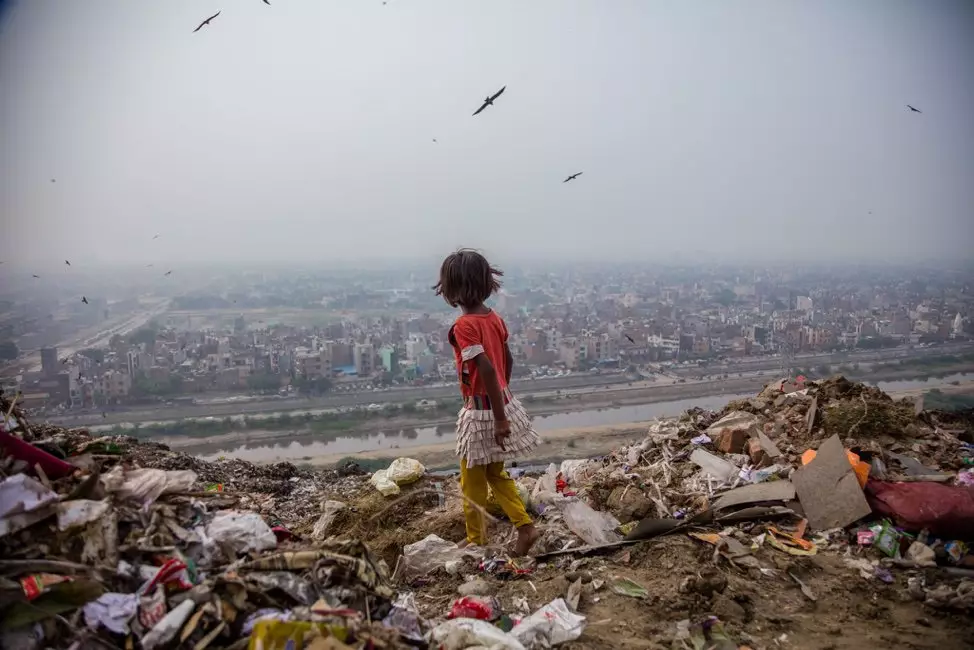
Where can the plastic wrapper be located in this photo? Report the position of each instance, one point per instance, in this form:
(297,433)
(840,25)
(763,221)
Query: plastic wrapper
(112,611)
(549,626)
(594,527)
(403,471)
(385,485)
(80,512)
(431,553)
(460,633)
(479,607)
(145,485)
(166,629)
(329,511)
(243,531)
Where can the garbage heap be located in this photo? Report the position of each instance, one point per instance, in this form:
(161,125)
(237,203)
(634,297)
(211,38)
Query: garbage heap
(108,543)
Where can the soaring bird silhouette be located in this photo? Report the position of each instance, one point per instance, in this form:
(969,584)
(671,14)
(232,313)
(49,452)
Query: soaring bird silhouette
(84,300)
(267,3)
(573,177)
(206,22)
(149,266)
(67,262)
(915,110)
(54,180)
(434,139)
(156,237)
(168,272)
(489,101)
(630,338)
(34,275)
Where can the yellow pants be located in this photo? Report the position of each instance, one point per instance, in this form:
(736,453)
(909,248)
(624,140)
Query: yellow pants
(474,482)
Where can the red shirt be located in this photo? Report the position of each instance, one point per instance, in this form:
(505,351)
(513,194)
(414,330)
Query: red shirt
(474,334)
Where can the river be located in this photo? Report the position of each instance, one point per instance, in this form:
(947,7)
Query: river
(306,446)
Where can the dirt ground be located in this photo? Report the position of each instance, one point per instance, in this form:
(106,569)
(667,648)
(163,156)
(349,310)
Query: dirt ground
(760,609)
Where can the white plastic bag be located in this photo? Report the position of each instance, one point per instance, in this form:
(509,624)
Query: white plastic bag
(242,531)
(330,510)
(80,512)
(113,611)
(403,471)
(552,624)
(431,553)
(145,485)
(594,527)
(578,472)
(460,633)
(386,486)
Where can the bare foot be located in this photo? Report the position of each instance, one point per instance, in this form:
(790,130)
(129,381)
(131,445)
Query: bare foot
(527,535)
(464,544)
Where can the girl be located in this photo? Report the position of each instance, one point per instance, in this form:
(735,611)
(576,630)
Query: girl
(492,425)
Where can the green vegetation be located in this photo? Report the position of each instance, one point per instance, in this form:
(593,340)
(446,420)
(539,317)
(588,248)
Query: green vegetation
(320,423)
(937,400)
(264,383)
(169,386)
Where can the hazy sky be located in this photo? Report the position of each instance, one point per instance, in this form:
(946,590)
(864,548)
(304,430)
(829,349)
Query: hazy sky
(303,130)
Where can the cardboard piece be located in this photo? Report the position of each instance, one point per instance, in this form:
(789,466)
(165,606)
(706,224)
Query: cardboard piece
(757,493)
(767,444)
(829,489)
(810,416)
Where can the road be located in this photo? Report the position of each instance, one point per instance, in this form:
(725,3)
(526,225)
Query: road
(100,335)
(581,383)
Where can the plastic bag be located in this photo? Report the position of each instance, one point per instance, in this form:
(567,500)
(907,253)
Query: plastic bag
(594,527)
(330,510)
(483,608)
(460,633)
(386,486)
(403,471)
(431,553)
(579,472)
(145,485)
(552,624)
(945,510)
(80,512)
(242,531)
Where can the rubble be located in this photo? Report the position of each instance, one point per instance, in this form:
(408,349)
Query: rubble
(137,546)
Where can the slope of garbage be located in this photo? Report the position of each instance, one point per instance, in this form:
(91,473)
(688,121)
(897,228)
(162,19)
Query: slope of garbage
(819,515)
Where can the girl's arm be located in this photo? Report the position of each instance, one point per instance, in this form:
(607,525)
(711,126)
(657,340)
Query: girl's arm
(509,363)
(488,375)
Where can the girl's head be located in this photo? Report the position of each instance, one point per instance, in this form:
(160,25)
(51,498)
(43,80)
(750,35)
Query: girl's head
(467,279)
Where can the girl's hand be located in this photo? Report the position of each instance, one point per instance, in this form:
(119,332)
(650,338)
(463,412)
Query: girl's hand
(502,429)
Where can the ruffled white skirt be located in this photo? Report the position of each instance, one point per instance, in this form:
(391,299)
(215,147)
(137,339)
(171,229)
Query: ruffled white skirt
(475,434)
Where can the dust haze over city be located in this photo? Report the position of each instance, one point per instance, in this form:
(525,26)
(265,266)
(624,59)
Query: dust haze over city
(223,222)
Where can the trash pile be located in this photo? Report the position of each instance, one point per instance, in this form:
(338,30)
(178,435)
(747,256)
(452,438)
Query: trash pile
(109,543)
(802,496)
(809,469)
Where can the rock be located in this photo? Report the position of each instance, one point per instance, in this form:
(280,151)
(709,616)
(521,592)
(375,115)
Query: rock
(475,587)
(628,503)
(732,441)
(757,453)
(728,610)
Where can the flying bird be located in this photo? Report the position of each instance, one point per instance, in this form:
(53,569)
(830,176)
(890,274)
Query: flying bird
(67,262)
(168,272)
(915,110)
(104,415)
(434,139)
(630,338)
(149,266)
(489,101)
(53,180)
(156,237)
(34,275)
(206,22)
(267,3)
(84,300)
(573,177)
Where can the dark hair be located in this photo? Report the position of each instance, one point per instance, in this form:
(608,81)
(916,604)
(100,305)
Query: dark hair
(467,279)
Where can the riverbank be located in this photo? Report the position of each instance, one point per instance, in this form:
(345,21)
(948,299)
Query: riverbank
(566,435)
